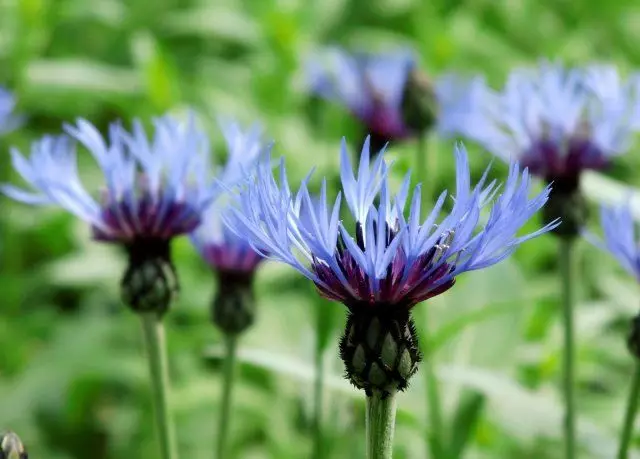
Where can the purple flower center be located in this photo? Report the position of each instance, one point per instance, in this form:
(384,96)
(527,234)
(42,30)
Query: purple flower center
(405,284)
(387,122)
(232,256)
(556,160)
(146,216)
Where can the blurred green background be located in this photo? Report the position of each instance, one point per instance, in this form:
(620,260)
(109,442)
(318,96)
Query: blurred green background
(73,381)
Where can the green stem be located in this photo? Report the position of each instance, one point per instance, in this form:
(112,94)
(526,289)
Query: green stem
(425,165)
(155,342)
(318,393)
(231,342)
(630,415)
(567,273)
(381,419)
(435,434)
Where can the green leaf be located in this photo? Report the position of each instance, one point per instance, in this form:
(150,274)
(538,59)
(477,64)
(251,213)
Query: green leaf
(464,422)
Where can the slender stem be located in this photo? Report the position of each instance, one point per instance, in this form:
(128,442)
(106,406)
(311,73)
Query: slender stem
(435,434)
(231,342)
(567,273)
(318,451)
(381,419)
(155,342)
(630,415)
(425,165)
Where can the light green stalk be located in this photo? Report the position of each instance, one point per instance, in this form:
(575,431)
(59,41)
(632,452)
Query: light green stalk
(567,273)
(381,419)
(155,342)
(630,414)
(229,371)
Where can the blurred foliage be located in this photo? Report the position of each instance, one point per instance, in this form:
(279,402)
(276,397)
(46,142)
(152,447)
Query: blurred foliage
(73,381)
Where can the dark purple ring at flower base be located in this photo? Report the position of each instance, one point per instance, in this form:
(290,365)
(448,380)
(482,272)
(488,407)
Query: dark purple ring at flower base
(147,218)
(399,289)
(555,163)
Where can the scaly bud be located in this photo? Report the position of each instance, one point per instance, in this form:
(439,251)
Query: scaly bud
(234,307)
(379,349)
(419,103)
(11,447)
(150,282)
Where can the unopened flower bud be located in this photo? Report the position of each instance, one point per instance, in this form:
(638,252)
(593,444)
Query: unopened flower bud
(11,447)
(380,350)
(150,282)
(234,306)
(419,103)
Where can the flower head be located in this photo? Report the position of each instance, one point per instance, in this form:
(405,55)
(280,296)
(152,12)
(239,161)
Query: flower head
(388,93)
(371,86)
(155,188)
(386,261)
(8,120)
(557,121)
(621,237)
(220,247)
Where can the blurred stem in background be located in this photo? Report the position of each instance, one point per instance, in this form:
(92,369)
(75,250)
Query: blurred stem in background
(426,173)
(630,415)
(155,342)
(381,419)
(318,401)
(229,370)
(233,311)
(326,315)
(566,257)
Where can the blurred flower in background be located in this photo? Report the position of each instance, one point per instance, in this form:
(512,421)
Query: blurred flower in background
(558,122)
(231,256)
(8,119)
(389,263)
(387,93)
(621,237)
(156,189)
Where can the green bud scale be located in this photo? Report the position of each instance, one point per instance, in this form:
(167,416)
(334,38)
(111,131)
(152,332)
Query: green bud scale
(150,282)
(234,306)
(379,350)
(11,447)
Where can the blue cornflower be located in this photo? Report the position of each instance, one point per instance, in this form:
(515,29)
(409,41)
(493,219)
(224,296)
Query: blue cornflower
(371,86)
(621,237)
(156,188)
(231,256)
(221,248)
(8,120)
(557,121)
(385,92)
(389,261)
